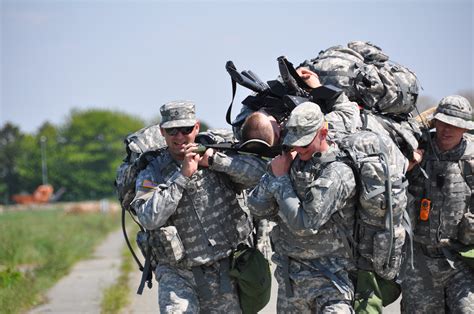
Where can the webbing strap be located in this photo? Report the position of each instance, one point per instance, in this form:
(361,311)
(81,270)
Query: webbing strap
(346,237)
(406,223)
(224,267)
(335,280)
(146,273)
(286,276)
(466,166)
(229,110)
(202,285)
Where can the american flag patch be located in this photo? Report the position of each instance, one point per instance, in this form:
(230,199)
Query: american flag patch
(149,184)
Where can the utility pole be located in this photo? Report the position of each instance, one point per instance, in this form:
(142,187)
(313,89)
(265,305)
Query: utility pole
(44,167)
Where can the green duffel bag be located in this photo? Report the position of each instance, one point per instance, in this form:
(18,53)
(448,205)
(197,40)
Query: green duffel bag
(373,293)
(467,255)
(254,279)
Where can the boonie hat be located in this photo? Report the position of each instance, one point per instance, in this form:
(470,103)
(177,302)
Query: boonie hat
(177,114)
(455,110)
(305,120)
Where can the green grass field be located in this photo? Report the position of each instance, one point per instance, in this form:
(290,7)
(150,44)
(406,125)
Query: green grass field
(37,248)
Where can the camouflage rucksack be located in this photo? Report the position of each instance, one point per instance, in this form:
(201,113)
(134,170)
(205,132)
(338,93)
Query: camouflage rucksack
(379,169)
(363,71)
(141,148)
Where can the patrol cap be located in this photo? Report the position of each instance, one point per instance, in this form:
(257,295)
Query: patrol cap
(178,113)
(305,120)
(455,110)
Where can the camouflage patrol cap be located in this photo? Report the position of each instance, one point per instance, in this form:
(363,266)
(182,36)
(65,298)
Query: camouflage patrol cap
(455,110)
(177,114)
(305,120)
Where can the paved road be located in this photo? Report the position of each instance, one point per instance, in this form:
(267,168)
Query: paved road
(81,290)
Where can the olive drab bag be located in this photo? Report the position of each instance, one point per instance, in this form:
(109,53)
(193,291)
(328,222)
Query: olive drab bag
(367,76)
(252,272)
(379,169)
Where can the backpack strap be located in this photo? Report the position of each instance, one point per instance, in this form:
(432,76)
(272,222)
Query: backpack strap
(146,272)
(202,285)
(224,284)
(466,164)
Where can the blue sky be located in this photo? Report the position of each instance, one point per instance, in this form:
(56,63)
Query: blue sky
(133,56)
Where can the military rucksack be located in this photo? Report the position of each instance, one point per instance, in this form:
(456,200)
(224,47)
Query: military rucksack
(141,148)
(367,76)
(379,169)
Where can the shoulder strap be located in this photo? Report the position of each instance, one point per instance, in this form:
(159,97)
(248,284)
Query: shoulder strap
(466,164)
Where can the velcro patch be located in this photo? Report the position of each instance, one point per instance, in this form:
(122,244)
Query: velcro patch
(149,184)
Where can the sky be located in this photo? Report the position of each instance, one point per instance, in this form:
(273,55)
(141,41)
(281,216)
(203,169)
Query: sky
(134,56)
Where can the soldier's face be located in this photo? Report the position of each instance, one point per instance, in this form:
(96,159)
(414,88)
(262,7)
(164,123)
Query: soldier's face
(177,138)
(447,136)
(306,152)
(317,145)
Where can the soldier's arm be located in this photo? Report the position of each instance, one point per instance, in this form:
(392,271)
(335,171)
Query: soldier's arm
(323,197)
(260,201)
(156,200)
(245,170)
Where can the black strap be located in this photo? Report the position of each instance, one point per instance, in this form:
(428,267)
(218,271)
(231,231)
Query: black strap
(224,267)
(286,276)
(146,273)
(202,285)
(229,110)
(124,230)
(466,165)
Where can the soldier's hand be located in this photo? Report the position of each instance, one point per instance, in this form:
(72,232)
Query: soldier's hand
(417,158)
(281,164)
(191,160)
(204,161)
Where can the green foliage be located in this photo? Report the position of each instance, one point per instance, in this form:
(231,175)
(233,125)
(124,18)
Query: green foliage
(10,136)
(81,156)
(94,149)
(37,248)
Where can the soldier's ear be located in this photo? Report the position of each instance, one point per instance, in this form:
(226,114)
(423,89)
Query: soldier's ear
(197,126)
(323,133)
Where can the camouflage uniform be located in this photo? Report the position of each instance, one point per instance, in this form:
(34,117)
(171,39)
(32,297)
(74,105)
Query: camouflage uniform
(440,281)
(313,204)
(195,223)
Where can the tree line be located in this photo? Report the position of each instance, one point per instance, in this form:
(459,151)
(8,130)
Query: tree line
(81,156)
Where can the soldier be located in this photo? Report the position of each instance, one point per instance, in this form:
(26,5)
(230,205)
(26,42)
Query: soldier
(440,281)
(312,196)
(189,203)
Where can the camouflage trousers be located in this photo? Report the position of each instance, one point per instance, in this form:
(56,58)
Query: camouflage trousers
(179,293)
(433,286)
(311,290)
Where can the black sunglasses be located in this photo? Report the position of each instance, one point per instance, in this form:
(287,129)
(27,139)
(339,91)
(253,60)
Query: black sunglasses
(183,130)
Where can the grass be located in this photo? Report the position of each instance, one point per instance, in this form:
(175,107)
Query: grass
(117,296)
(37,248)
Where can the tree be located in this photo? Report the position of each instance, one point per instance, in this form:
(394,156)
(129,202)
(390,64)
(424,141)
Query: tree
(92,150)
(10,139)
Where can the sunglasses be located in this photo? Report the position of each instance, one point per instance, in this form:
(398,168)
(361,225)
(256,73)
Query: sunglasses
(183,130)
